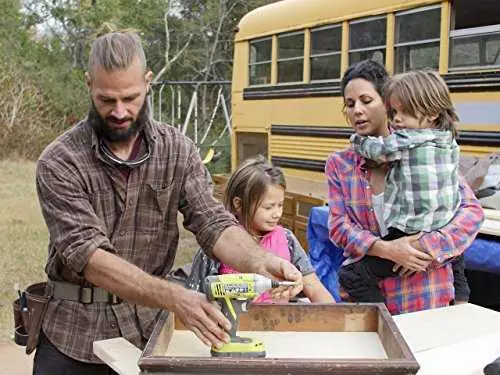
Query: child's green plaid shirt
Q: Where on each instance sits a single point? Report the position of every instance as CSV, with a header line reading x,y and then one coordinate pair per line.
x,y
421,192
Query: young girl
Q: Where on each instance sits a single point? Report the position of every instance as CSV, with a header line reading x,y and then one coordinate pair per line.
x,y
421,192
255,194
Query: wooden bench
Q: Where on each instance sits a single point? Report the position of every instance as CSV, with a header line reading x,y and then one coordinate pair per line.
x,y
301,195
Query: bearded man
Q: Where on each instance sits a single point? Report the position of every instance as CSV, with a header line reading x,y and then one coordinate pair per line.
x,y
110,189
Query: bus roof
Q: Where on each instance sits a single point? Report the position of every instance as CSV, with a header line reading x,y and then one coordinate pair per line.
x,y
288,15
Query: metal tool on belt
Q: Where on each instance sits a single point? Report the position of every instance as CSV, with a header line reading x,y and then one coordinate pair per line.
x,y
233,291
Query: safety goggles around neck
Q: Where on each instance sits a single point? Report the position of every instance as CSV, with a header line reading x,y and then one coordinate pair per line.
x,y
114,160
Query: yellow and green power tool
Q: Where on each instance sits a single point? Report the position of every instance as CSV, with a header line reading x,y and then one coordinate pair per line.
x,y
233,291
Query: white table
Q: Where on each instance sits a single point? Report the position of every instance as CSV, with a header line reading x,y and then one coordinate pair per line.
x,y
457,340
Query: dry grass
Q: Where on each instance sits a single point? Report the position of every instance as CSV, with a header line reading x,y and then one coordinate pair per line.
x,y
23,237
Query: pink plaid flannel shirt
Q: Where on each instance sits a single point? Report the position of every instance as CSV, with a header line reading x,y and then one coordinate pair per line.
x,y
353,227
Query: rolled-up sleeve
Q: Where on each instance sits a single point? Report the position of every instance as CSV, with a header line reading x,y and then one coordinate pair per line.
x,y
343,231
456,236
75,231
203,214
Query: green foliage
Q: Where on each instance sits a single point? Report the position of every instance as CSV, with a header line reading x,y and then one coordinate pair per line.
x,y
40,92
44,47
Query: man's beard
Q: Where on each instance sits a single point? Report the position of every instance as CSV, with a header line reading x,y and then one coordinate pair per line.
x,y
105,131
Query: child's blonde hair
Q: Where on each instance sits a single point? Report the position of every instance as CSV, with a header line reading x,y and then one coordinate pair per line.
x,y
423,92
249,183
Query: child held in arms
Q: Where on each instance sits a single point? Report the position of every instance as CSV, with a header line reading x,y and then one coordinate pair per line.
x,y
421,188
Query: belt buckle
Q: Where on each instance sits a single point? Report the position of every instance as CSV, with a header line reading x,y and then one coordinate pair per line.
x,y
113,299
86,295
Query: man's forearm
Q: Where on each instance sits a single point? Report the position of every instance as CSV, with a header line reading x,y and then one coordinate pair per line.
x,y
128,281
136,286
238,249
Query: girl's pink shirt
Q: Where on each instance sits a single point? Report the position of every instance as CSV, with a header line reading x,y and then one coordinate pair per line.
x,y
275,242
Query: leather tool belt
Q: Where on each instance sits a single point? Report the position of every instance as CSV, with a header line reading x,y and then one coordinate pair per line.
x,y
30,308
82,294
29,311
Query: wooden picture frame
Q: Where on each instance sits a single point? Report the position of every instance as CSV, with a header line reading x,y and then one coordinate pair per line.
x,y
346,317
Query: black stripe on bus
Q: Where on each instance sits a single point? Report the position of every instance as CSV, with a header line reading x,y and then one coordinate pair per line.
x,y
311,165
292,91
469,137
312,131
486,81
465,137
457,82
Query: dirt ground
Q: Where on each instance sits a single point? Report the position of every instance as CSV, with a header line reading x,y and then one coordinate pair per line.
x,y
13,359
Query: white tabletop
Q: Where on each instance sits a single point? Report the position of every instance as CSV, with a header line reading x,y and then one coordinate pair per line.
x,y
457,340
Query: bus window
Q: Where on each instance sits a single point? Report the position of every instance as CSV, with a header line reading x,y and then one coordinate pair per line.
x,y
475,35
291,57
417,39
250,145
326,46
367,39
260,62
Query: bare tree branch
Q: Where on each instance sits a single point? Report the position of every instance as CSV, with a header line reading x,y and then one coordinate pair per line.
x,y
168,61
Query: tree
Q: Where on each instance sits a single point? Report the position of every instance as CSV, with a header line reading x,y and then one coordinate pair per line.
x,y
210,26
40,93
213,24
44,47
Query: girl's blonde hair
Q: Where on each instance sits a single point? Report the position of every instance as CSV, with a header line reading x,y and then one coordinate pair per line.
x,y
423,92
249,183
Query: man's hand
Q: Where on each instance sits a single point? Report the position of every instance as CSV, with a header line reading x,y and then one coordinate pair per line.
x,y
277,268
402,251
199,315
249,257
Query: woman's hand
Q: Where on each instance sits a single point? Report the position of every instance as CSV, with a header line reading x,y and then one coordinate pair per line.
x,y
403,271
404,253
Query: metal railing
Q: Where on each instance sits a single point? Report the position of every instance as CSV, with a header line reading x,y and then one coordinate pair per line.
x,y
179,103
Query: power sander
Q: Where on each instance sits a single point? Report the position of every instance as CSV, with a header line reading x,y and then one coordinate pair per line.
x,y
232,292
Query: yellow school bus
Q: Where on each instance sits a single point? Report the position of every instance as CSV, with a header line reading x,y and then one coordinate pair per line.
x,y
289,57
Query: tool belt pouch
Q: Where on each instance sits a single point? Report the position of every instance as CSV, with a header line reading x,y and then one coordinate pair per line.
x,y
28,323
20,334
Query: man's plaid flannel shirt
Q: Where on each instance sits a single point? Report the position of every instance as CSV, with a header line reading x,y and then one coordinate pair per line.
x,y
421,191
353,227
